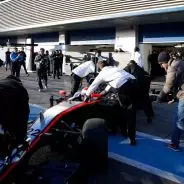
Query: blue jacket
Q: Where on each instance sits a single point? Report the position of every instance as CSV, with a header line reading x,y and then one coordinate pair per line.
x,y
15,57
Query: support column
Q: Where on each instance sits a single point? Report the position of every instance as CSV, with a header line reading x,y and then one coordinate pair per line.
x,y
145,50
62,43
126,41
30,54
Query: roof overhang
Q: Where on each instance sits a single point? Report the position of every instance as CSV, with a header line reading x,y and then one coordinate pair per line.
x,y
127,19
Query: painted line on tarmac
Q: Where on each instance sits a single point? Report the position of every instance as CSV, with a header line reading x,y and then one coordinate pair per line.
x,y
156,138
147,168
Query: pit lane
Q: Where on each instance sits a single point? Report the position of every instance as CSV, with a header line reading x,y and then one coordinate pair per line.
x,y
117,172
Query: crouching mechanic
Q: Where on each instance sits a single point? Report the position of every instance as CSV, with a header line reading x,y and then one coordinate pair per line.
x,y
174,84
125,85
80,72
14,111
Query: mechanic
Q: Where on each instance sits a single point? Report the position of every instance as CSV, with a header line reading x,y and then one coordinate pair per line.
x,y
125,85
80,72
174,84
14,109
41,61
143,80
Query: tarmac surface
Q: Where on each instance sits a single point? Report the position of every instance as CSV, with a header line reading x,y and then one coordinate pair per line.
x,y
161,125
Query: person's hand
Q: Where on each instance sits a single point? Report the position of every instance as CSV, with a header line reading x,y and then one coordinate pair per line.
x,y
103,92
171,102
86,98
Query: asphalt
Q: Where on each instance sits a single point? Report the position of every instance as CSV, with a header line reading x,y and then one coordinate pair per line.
x,y
161,125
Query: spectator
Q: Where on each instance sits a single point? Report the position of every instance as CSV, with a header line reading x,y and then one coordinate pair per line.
x,y
23,60
41,61
49,62
15,58
60,62
7,59
55,63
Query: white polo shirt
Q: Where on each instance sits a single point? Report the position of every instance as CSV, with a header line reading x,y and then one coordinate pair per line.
x,y
138,59
110,74
84,69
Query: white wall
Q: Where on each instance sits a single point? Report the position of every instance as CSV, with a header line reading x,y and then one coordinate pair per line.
x,y
125,39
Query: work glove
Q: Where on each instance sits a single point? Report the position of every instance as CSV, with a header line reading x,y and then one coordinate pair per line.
x,y
86,98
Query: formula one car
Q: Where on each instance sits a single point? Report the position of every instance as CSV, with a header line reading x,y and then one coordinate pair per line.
x,y
60,128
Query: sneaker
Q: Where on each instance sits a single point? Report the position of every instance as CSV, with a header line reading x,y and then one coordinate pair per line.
x,y
46,87
173,147
40,90
27,75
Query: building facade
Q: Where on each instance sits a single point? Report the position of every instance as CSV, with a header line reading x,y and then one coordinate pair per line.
x,y
121,24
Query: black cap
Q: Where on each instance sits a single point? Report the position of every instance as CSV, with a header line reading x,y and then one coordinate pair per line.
x,y
163,57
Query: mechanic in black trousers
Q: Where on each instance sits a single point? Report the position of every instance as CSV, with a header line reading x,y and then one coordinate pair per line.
x,y
125,85
144,81
80,72
15,62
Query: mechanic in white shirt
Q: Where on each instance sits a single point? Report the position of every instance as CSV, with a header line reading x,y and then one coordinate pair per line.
x,y
80,72
125,84
137,57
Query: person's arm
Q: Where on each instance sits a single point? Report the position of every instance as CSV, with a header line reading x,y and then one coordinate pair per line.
x,y
127,68
169,84
106,90
12,58
25,56
37,59
98,80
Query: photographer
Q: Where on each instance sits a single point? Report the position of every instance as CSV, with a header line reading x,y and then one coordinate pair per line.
x,y
174,84
41,62
14,97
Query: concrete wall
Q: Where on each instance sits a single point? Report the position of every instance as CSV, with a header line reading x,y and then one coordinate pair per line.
x,y
125,40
